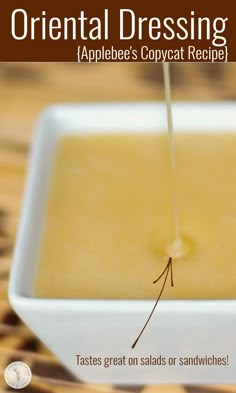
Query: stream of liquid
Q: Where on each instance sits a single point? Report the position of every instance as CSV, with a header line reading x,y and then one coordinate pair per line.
x,y
178,247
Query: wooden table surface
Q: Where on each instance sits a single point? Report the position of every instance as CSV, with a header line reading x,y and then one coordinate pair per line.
x,y
25,89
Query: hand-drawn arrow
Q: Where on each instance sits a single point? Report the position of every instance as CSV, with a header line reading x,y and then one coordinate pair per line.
x,y
167,269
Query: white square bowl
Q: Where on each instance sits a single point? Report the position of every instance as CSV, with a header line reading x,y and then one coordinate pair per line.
x,y
106,328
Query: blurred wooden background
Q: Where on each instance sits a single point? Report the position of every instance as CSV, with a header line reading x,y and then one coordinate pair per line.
x,y
25,89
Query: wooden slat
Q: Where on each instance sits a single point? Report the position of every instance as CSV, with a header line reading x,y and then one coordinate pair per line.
x,y
164,389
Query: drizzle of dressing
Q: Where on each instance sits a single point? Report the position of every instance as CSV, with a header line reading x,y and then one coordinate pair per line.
x,y
179,246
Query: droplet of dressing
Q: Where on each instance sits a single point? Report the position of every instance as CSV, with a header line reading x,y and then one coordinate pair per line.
x,y
179,248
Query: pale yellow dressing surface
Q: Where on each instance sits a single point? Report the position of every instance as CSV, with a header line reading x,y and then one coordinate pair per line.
x,y
109,217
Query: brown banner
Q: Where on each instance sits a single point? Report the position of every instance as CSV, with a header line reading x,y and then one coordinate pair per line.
x,y
125,30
